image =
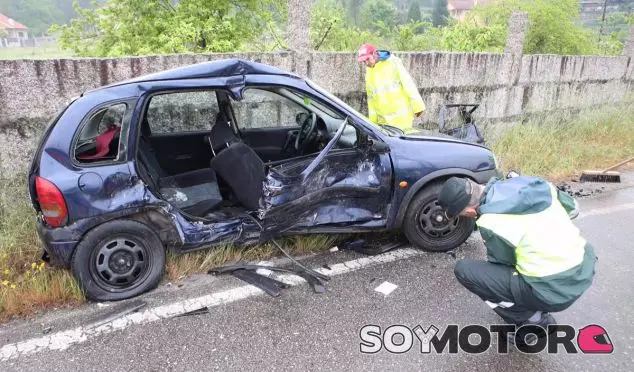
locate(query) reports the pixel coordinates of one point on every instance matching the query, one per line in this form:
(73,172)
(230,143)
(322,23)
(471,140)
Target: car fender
(480,177)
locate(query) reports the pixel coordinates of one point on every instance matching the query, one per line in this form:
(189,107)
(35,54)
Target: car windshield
(390,131)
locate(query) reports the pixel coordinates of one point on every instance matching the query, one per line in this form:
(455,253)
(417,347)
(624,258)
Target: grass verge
(546,147)
(557,149)
(29,287)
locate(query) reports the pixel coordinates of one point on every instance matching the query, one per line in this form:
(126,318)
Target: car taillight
(51,202)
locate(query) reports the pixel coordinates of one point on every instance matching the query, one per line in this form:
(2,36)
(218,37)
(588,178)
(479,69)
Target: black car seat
(195,192)
(244,172)
(221,135)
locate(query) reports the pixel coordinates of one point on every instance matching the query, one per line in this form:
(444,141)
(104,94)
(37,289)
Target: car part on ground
(268,285)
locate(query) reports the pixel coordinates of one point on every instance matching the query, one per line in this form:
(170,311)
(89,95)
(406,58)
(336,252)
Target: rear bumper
(59,244)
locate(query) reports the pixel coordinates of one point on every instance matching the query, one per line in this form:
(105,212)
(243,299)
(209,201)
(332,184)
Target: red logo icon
(594,339)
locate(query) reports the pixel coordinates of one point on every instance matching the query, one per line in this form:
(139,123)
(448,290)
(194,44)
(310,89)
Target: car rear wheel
(427,227)
(118,260)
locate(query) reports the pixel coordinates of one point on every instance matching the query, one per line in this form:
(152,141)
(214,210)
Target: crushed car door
(339,189)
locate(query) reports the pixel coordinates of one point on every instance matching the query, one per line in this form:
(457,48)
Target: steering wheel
(308,126)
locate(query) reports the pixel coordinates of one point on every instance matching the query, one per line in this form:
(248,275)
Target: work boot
(545,320)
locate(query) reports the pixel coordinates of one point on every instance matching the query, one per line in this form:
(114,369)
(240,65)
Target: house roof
(10,24)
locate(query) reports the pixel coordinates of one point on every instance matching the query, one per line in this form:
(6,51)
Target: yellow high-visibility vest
(393,98)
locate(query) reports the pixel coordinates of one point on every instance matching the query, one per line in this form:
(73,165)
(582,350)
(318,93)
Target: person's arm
(372,115)
(569,203)
(499,250)
(416,101)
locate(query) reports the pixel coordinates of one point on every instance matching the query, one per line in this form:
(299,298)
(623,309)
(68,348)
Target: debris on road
(375,247)
(334,249)
(315,280)
(47,330)
(386,288)
(202,310)
(120,312)
(265,283)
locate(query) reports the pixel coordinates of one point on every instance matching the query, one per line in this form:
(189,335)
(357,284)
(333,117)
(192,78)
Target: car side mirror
(378,146)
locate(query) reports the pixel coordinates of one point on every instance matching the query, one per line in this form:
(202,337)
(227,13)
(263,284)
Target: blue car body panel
(349,190)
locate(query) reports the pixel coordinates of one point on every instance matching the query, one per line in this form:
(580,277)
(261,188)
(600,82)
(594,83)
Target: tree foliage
(440,14)
(39,15)
(553,25)
(375,11)
(329,30)
(413,14)
(141,27)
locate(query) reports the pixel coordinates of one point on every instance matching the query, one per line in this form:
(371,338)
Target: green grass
(549,147)
(28,286)
(558,149)
(39,52)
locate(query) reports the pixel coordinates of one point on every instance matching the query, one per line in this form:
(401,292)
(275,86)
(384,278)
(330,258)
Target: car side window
(100,136)
(182,112)
(264,109)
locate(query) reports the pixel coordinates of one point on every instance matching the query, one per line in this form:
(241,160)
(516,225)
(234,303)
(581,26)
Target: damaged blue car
(229,151)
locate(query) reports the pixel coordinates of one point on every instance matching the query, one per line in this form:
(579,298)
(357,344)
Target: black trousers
(503,289)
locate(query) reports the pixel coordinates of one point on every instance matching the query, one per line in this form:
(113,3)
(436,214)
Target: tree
(554,26)
(141,27)
(330,32)
(374,11)
(440,14)
(39,15)
(413,14)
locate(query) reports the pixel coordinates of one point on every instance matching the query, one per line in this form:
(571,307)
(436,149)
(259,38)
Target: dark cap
(454,196)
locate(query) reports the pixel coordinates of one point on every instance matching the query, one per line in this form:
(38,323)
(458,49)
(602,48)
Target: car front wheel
(427,227)
(118,260)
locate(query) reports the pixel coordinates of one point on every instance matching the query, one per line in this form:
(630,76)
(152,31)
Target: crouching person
(537,260)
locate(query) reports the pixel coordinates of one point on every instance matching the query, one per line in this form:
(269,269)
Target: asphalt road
(301,330)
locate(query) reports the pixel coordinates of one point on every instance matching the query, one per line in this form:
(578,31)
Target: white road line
(62,340)
(606,210)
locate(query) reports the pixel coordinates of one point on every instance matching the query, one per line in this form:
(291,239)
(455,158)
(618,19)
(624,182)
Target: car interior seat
(104,144)
(195,192)
(221,135)
(243,170)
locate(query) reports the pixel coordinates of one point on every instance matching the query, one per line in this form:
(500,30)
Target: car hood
(428,135)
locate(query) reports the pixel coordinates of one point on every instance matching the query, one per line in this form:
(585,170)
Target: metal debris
(202,310)
(120,312)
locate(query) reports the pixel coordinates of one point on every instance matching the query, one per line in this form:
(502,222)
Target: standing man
(393,98)
(538,262)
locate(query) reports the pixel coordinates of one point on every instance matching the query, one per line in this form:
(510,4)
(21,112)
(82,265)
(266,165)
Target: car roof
(212,69)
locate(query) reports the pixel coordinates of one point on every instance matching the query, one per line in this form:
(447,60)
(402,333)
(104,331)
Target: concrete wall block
(445,69)
(339,73)
(514,101)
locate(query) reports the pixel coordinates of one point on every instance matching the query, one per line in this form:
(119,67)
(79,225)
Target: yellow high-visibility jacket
(393,98)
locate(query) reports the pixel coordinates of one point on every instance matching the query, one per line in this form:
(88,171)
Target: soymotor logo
(592,339)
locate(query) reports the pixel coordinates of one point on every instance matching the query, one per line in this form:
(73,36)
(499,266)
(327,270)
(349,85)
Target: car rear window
(100,136)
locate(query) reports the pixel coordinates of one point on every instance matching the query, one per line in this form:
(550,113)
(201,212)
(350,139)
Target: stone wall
(505,85)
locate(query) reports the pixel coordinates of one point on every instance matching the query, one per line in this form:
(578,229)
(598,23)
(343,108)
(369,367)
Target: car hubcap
(120,262)
(433,222)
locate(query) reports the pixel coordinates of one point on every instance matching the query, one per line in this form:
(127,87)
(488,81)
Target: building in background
(12,33)
(459,8)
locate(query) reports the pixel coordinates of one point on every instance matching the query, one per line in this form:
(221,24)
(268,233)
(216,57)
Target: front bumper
(59,244)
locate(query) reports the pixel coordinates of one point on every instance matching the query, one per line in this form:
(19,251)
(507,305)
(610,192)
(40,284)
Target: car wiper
(391,129)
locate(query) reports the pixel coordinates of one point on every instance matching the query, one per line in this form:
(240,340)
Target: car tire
(117,260)
(423,229)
